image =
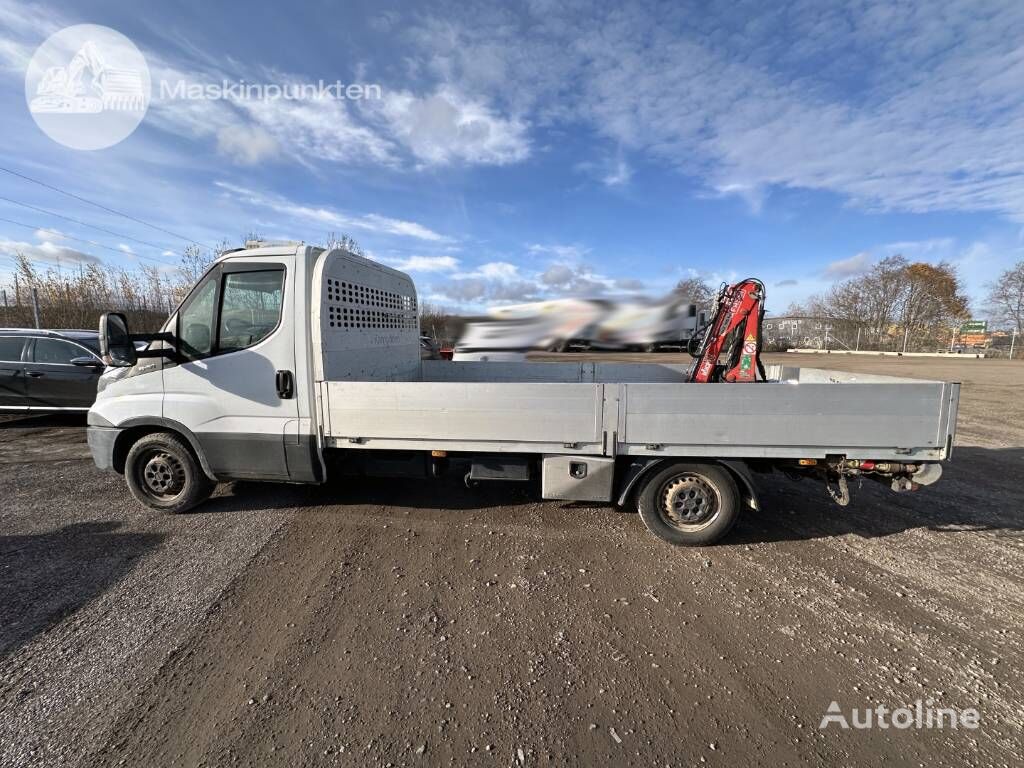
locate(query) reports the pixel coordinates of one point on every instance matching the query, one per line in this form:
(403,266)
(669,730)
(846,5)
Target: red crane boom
(734,330)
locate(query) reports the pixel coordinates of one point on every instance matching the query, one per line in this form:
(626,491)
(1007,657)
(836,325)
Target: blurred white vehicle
(566,325)
(512,331)
(667,324)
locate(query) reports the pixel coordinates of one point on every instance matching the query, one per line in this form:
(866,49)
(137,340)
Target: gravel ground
(412,623)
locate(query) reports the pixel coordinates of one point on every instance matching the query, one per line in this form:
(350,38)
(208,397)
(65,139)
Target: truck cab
(231,383)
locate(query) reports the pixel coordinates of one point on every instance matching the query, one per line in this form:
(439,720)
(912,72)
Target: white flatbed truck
(290,363)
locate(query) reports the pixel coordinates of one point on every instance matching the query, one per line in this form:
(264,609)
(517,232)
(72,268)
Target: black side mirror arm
(170,352)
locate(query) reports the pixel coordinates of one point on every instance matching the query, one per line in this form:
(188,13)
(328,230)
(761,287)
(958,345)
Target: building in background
(789,331)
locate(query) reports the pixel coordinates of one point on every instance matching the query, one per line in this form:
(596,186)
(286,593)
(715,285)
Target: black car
(48,370)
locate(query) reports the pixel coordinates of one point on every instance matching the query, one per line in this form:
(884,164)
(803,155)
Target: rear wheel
(164,474)
(689,504)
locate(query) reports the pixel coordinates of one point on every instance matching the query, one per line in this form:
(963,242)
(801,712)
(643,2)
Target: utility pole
(856,347)
(35,306)
(906,333)
(1013,338)
(826,338)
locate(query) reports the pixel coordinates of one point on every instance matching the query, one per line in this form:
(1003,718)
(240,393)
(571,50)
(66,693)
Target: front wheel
(689,504)
(164,474)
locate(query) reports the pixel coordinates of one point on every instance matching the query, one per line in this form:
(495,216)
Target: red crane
(734,330)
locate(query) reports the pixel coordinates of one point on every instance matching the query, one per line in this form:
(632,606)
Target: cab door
(236,345)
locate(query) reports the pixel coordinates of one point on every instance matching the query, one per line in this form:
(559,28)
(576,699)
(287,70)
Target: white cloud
(447,127)
(48,252)
(751,194)
(501,271)
(498,270)
(619,174)
(854,265)
(433,126)
(563,252)
(49,234)
(124,248)
(557,274)
(612,172)
(911,107)
(424,263)
(247,145)
(24,27)
(914,249)
(580,280)
(328,217)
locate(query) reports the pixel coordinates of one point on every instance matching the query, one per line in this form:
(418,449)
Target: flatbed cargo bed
(615,409)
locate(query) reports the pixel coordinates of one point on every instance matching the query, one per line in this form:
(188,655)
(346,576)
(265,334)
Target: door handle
(285,384)
(35,374)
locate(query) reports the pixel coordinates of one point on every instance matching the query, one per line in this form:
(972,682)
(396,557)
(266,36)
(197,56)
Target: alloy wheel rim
(162,475)
(689,501)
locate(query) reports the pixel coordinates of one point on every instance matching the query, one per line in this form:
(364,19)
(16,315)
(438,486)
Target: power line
(103,207)
(82,240)
(83,224)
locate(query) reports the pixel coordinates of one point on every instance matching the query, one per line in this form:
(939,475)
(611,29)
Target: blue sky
(524,151)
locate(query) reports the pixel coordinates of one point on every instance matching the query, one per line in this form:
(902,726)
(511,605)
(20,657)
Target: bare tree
(896,299)
(1006,298)
(341,240)
(698,291)
(440,324)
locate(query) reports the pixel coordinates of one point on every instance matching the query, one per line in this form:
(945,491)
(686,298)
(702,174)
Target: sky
(509,152)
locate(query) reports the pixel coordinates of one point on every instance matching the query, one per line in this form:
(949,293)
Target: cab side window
(250,308)
(230,311)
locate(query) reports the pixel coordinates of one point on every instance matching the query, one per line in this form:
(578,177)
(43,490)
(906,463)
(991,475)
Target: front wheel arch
(135,429)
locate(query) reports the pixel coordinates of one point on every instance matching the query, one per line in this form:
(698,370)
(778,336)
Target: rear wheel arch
(689,503)
(634,472)
(136,429)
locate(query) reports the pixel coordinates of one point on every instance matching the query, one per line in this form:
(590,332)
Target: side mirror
(87,362)
(116,345)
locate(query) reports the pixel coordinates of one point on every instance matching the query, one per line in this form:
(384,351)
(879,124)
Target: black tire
(164,474)
(703,499)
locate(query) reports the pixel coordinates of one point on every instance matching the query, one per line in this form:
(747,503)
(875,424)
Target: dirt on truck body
(374,622)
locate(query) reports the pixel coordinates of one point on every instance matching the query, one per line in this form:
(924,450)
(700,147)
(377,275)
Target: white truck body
(347,334)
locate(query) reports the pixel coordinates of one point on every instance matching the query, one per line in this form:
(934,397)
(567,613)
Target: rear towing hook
(841,494)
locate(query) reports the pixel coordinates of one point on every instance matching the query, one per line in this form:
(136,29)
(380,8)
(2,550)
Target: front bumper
(101,445)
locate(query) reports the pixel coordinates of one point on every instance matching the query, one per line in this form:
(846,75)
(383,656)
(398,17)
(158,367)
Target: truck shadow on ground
(979,491)
(790,510)
(49,576)
(444,493)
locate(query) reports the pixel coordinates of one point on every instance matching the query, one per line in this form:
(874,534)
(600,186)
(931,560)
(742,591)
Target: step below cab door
(233,385)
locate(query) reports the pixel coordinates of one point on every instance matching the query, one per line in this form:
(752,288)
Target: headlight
(109,376)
